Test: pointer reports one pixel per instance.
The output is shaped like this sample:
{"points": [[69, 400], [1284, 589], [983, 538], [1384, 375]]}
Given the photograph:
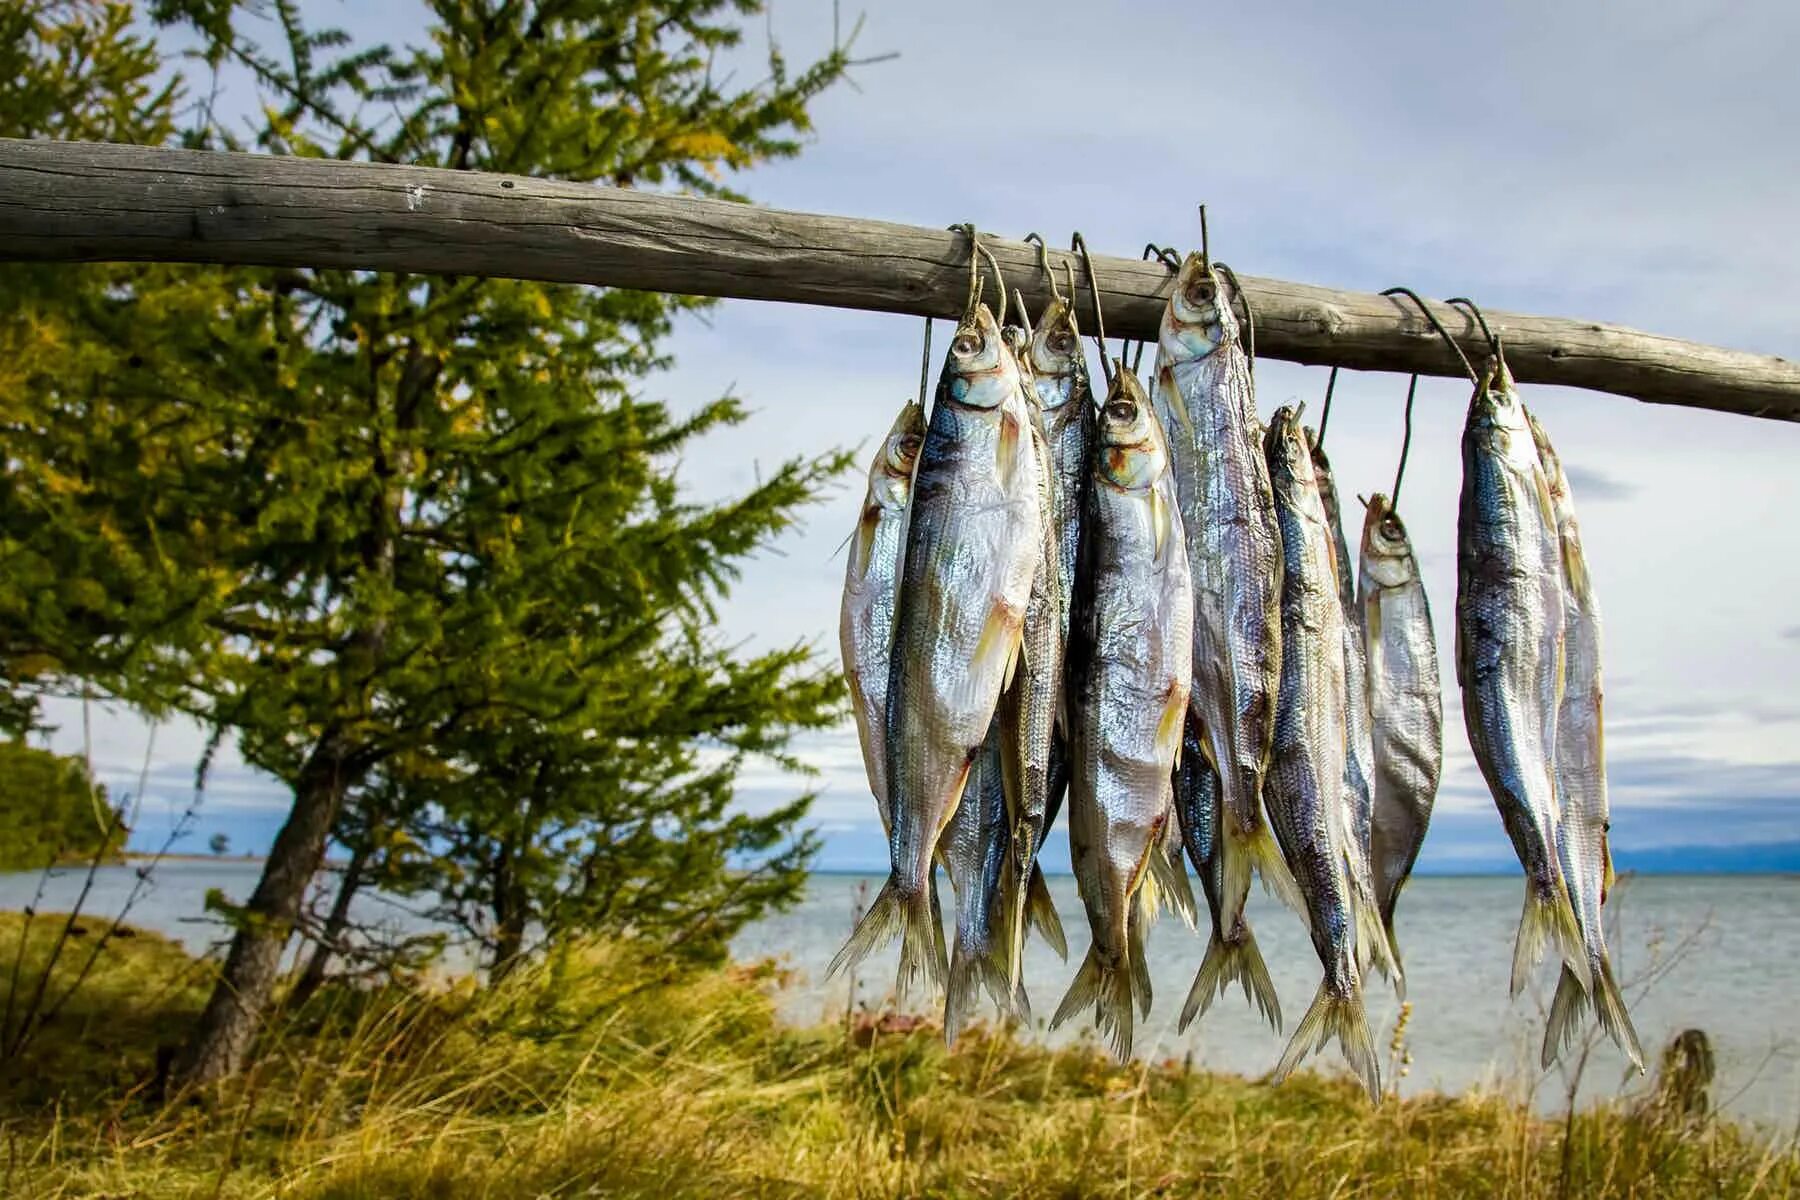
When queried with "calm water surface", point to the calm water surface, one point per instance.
{"points": [[1725, 951]]}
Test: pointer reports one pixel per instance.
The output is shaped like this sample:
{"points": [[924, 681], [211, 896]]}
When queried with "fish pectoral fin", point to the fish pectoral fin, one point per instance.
{"points": [[1161, 524], [1006, 449], [1169, 727], [997, 650]]}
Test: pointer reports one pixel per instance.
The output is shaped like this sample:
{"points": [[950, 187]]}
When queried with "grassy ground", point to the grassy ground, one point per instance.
{"points": [[599, 1074]]}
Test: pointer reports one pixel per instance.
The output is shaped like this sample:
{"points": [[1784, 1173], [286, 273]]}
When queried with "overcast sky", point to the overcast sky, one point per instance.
{"points": [[1607, 160]]}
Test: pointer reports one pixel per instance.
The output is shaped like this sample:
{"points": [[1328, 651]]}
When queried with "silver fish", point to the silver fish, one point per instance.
{"points": [[1407, 703], [1509, 654], [1129, 669], [1065, 411], [1066, 414], [1583, 813], [974, 851], [1372, 945], [973, 543], [1204, 398], [1028, 718], [1306, 768], [1197, 809], [871, 591]]}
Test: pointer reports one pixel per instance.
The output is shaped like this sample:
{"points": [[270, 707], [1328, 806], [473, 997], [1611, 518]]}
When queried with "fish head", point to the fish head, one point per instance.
{"points": [[1386, 547], [1285, 445], [891, 479], [980, 371], [1132, 453], [1198, 319], [1497, 415], [1055, 356]]}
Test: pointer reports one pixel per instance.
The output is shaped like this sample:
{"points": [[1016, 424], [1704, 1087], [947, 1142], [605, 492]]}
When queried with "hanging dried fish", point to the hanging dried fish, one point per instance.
{"points": [[1129, 667], [1583, 819], [1509, 654], [1306, 770], [973, 545]]}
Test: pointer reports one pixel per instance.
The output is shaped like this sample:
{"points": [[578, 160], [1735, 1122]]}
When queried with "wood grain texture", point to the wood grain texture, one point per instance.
{"points": [[80, 202]]}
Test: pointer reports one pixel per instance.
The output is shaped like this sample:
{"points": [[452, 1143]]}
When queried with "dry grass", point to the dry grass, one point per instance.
{"points": [[595, 1075]]}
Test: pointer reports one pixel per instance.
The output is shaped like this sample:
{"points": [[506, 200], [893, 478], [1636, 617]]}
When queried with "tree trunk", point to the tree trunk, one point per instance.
{"points": [[229, 1024], [332, 935], [510, 911]]}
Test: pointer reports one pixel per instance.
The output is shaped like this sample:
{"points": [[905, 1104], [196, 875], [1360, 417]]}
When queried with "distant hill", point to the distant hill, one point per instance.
{"points": [[1768, 858]]}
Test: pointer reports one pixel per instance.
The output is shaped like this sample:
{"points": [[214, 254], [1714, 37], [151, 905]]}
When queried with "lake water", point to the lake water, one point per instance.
{"points": [[1723, 950]]}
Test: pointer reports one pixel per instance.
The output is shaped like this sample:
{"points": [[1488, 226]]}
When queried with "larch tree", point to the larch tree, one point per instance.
{"points": [[359, 520]]}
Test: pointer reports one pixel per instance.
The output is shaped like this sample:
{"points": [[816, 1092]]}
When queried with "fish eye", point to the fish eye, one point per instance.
{"points": [[1062, 343], [966, 343], [908, 446], [1391, 528], [1202, 291], [1120, 410]]}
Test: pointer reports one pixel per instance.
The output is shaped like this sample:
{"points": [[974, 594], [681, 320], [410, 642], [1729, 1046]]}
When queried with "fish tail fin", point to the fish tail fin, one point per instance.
{"points": [[1256, 849], [1339, 1017], [1238, 960], [1172, 887], [1548, 920], [937, 922], [1107, 990], [1609, 1006], [959, 993], [1373, 949], [1393, 949], [1564, 1024], [1009, 922], [1143, 915], [907, 917], [1040, 907], [1021, 1003], [971, 972]]}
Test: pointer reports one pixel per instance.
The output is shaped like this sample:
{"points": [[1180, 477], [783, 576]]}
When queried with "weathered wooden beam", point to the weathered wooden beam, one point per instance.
{"points": [[79, 202]]}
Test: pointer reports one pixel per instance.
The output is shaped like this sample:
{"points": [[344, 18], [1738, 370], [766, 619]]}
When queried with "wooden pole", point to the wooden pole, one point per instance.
{"points": [[81, 202]]}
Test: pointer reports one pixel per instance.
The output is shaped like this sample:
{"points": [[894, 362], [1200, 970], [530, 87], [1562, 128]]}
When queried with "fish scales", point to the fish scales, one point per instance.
{"points": [[1306, 767], [1406, 702], [1509, 654], [1129, 669], [973, 543], [1205, 399], [1584, 817], [1373, 946]]}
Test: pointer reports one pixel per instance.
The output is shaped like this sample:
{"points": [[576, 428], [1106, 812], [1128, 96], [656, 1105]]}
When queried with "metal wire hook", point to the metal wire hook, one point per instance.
{"points": [[1024, 315], [1325, 417], [925, 363], [1405, 446], [1049, 271], [1493, 339], [1069, 271], [974, 296], [1078, 244], [977, 252], [1249, 313], [1437, 325], [1164, 254], [994, 265], [1205, 242], [1167, 257]]}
